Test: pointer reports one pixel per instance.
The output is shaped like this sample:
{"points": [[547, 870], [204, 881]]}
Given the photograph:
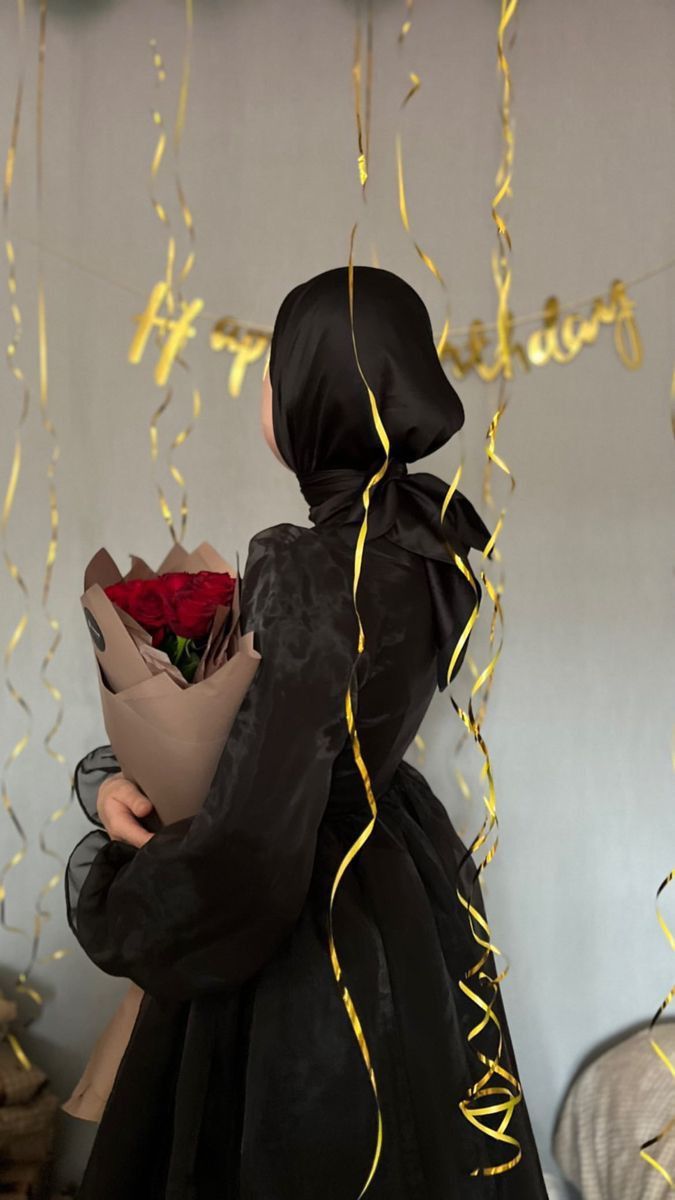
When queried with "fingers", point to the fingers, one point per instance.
{"points": [[124, 827], [120, 804], [140, 805]]}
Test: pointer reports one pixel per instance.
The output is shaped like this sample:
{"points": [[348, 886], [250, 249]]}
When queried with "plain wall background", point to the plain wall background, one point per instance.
{"points": [[580, 718]]}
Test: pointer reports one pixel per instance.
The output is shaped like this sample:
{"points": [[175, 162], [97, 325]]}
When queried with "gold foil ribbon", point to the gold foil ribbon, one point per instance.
{"points": [[415, 84], [498, 1092], [42, 914], [9, 499], [354, 738], [483, 699], [407, 21], [658, 1050], [363, 127], [430, 264], [403, 206], [670, 938], [473, 1106], [174, 326]]}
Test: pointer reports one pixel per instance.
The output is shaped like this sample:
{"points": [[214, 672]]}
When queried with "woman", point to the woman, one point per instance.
{"points": [[243, 1077]]}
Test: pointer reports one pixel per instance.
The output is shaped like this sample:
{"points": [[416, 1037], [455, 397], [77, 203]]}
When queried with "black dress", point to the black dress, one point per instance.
{"points": [[243, 1079]]}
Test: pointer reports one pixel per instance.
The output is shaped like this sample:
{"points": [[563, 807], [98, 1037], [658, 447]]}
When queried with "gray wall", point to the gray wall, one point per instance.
{"points": [[580, 718]]}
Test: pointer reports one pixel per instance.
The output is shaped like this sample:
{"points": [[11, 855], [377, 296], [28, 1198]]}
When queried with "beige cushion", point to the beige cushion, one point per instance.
{"points": [[621, 1099]]}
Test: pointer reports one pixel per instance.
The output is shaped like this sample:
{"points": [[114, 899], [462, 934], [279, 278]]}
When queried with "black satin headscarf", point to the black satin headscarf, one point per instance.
{"points": [[325, 432]]}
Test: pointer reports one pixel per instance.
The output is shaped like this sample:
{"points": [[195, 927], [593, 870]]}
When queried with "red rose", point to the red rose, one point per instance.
{"points": [[143, 599], [190, 604], [184, 602]]}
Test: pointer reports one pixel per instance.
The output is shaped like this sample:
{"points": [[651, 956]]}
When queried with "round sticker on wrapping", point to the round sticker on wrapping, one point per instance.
{"points": [[94, 629]]}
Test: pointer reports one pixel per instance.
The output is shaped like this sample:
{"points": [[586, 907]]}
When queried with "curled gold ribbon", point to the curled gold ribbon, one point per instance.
{"points": [[658, 1050], [407, 21], [363, 147], [173, 330], [498, 1092], [42, 914], [670, 938], [430, 264], [11, 565], [442, 343], [354, 738], [508, 1092]]}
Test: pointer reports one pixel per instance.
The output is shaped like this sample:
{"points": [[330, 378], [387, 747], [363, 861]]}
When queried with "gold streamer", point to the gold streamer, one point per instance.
{"points": [[357, 74], [484, 697], [415, 84], [407, 22], [503, 1097], [480, 930], [442, 344], [403, 209], [11, 565], [43, 914], [369, 80], [354, 738], [173, 330], [492, 548], [658, 1050], [670, 938], [363, 132], [473, 1106]]}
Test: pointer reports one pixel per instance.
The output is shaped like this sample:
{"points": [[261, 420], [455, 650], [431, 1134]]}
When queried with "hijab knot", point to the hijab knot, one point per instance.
{"points": [[407, 509], [335, 495]]}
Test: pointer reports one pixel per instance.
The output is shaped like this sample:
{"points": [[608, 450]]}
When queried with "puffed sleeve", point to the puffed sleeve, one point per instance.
{"points": [[98, 764], [205, 902]]}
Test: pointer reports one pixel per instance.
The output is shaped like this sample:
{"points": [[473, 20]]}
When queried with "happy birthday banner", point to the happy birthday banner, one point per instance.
{"points": [[561, 336]]}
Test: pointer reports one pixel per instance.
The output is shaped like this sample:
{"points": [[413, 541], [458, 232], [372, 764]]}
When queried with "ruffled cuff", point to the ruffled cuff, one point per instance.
{"points": [[77, 868], [90, 772]]}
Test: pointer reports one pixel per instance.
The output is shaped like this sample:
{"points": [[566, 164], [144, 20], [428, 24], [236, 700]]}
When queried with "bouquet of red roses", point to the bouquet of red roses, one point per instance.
{"points": [[173, 670], [178, 609]]}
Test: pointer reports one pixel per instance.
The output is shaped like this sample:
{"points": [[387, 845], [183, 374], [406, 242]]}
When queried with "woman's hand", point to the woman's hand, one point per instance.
{"points": [[119, 803]]}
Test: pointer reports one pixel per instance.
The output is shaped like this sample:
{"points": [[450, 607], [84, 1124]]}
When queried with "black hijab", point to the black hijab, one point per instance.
{"points": [[325, 432]]}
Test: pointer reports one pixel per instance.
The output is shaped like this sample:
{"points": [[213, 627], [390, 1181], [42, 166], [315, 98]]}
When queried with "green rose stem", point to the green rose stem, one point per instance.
{"points": [[183, 653]]}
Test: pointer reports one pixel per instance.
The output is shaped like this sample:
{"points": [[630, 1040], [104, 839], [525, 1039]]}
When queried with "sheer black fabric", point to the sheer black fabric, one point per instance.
{"points": [[89, 775], [243, 1078]]}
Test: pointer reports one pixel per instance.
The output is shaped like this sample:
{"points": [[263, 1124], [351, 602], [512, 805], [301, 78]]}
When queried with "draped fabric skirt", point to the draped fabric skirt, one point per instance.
{"points": [[263, 1094]]}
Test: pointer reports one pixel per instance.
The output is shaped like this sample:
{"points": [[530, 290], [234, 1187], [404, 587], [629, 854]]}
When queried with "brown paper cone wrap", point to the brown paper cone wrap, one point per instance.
{"points": [[91, 1092], [167, 739]]}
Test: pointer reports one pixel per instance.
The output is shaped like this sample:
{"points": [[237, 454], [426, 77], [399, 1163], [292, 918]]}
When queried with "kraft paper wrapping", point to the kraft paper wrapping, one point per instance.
{"points": [[167, 736]]}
